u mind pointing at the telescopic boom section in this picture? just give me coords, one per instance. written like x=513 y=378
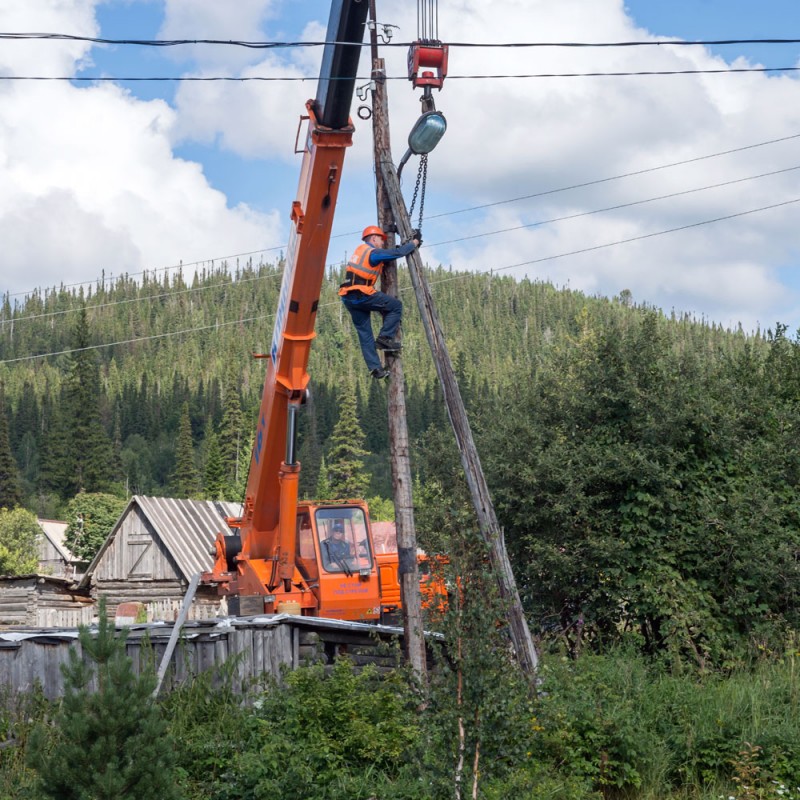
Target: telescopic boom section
x=268 y=526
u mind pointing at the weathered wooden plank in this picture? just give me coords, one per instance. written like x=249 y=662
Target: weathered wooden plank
x=258 y=652
x=263 y=651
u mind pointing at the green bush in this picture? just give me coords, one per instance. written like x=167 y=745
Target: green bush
x=342 y=735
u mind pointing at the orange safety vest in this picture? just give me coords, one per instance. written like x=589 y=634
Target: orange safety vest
x=360 y=274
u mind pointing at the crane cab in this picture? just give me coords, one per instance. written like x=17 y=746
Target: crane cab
x=336 y=571
x=336 y=558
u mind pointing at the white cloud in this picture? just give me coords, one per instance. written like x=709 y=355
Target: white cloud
x=212 y=19
x=36 y=57
x=110 y=155
x=255 y=119
x=88 y=179
x=509 y=138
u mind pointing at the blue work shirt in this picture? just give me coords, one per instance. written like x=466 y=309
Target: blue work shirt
x=378 y=255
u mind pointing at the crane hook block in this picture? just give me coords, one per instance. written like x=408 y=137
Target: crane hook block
x=426 y=56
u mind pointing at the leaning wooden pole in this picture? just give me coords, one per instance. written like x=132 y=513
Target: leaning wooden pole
x=481 y=499
x=414 y=637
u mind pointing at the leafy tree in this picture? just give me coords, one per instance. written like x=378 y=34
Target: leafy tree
x=381 y=510
x=10 y=493
x=19 y=540
x=185 y=479
x=111 y=740
x=91 y=518
x=346 y=453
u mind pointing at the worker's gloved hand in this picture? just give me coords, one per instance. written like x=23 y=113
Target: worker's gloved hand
x=417 y=234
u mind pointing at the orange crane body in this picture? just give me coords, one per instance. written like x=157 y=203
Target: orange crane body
x=281 y=554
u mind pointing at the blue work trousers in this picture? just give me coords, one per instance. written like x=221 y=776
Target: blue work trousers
x=361 y=306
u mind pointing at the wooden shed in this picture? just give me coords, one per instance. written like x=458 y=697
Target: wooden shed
x=157 y=545
x=42 y=601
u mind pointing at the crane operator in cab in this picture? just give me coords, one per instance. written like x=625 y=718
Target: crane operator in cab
x=361 y=298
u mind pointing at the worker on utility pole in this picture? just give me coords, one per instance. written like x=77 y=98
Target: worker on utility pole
x=361 y=298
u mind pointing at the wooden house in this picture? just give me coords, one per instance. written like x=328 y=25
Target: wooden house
x=55 y=557
x=157 y=545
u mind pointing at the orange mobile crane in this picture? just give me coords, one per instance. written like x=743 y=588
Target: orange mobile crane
x=281 y=554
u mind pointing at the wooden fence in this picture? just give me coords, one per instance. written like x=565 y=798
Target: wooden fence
x=255 y=647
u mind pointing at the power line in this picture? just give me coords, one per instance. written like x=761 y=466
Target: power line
x=208 y=287
x=266 y=45
x=540 y=260
x=634 y=238
x=616 y=207
x=544 y=193
x=304 y=78
x=146 y=298
x=618 y=177
x=139 y=339
x=155 y=270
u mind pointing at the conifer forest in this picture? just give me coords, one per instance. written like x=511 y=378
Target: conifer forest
x=645 y=468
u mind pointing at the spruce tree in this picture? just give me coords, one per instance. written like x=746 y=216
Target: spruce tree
x=55 y=473
x=346 y=453
x=26 y=420
x=230 y=432
x=91 y=453
x=214 y=473
x=310 y=452
x=10 y=492
x=322 y=490
x=110 y=740
x=185 y=480
x=375 y=418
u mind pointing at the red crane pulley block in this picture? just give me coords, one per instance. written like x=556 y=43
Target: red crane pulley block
x=432 y=55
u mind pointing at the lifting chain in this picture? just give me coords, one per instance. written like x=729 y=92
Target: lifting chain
x=422 y=178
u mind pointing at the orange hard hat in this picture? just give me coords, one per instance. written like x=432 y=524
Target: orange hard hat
x=373 y=230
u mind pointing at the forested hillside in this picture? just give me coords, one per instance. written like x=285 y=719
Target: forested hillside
x=159 y=343
x=645 y=468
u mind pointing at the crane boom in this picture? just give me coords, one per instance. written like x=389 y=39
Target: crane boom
x=263 y=559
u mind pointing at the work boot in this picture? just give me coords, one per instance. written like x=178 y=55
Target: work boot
x=387 y=344
x=380 y=374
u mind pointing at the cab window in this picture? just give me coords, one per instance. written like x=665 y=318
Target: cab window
x=343 y=540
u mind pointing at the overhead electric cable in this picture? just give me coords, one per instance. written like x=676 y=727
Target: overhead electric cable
x=155 y=270
x=636 y=238
x=431 y=31
x=544 y=193
x=685 y=161
x=540 y=260
x=304 y=78
x=140 y=339
x=147 y=298
x=617 y=207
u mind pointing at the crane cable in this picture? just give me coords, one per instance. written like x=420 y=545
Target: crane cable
x=428 y=20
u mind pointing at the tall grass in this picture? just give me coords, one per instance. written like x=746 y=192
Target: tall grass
x=614 y=726
x=647 y=734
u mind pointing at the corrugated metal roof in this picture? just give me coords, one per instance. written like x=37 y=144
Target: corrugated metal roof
x=186 y=527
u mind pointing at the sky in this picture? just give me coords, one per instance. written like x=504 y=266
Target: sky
x=573 y=180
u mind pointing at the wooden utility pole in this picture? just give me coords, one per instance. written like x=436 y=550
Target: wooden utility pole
x=414 y=638
x=482 y=501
